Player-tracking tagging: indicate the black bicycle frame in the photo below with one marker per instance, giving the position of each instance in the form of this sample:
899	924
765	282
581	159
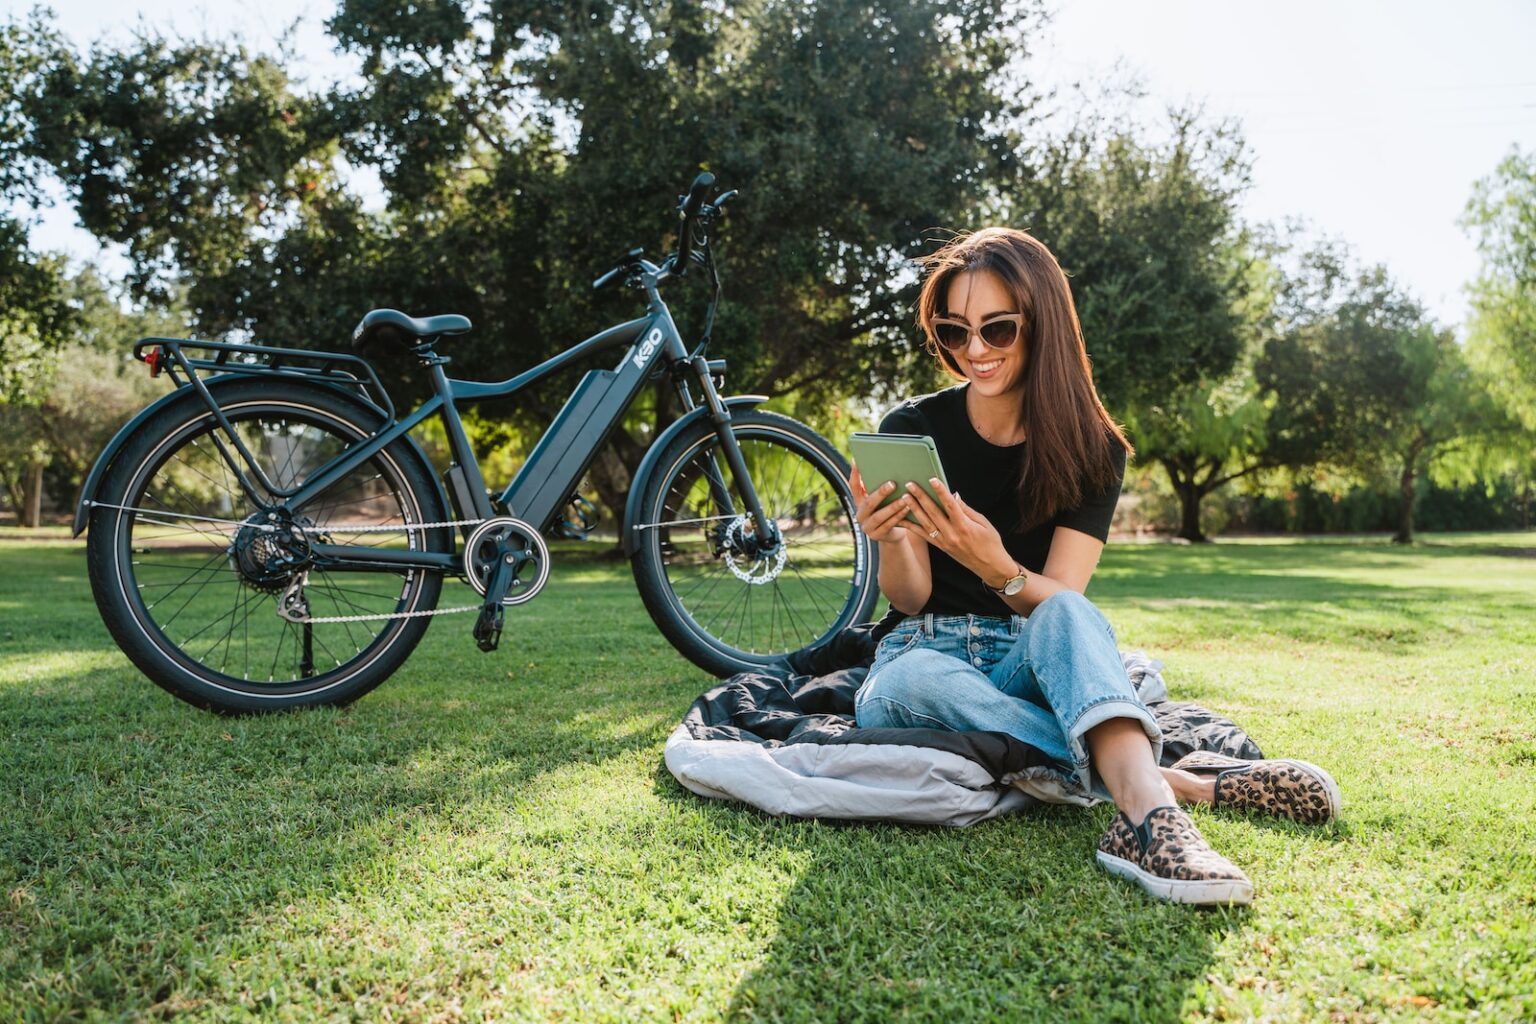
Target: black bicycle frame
552	471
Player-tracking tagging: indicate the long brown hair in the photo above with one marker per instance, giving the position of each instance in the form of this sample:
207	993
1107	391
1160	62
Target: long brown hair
1070	436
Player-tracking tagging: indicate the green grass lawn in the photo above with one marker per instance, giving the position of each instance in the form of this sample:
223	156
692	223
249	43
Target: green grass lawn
495	836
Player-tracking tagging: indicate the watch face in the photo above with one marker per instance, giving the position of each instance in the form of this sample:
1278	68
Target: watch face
1014	585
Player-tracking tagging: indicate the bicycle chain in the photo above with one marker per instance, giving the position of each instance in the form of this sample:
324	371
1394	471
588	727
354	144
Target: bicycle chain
269	528
382	616
387	615
335	528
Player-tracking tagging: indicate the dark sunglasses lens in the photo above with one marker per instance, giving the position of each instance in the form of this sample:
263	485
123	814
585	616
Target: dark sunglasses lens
1000	333
951	336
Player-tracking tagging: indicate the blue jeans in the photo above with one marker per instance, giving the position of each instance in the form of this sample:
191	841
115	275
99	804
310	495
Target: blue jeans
1045	680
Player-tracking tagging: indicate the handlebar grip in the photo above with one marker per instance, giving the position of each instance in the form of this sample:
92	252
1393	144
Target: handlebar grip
690	208
600	282
696	193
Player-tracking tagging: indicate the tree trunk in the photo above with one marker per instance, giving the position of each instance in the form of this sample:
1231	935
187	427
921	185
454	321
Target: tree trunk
611	478
1404	533
1189	513
29	513
1189	500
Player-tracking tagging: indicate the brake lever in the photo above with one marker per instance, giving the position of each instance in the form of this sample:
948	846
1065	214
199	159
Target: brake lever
624	266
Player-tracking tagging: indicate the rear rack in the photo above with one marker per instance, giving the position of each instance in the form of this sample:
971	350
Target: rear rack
172	355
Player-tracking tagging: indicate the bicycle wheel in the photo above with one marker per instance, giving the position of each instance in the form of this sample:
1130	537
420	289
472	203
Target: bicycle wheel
728	603
190	584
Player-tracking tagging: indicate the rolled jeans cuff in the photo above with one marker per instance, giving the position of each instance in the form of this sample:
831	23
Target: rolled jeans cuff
1101	711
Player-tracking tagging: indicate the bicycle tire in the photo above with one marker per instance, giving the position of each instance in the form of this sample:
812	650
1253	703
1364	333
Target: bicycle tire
125	548
680	563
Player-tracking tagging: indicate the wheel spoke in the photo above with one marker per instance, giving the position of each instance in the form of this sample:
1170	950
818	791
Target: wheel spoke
710	563
218	608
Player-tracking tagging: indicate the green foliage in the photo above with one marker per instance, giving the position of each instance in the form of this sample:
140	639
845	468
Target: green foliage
523	146
91	387
1367	384
1168	288
1502	336
35	316
1148	233
194	156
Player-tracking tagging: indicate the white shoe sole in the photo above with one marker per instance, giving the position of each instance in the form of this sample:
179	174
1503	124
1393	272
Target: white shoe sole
1214	892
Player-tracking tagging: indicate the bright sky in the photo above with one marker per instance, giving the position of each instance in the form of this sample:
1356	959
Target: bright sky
1368	119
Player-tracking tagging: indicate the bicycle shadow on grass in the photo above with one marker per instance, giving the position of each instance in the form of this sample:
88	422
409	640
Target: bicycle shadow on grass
1008	919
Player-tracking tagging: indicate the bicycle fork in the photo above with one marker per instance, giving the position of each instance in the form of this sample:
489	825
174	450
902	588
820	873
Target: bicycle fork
720	415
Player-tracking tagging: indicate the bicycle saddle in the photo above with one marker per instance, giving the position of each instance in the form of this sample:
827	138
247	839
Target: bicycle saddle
391	325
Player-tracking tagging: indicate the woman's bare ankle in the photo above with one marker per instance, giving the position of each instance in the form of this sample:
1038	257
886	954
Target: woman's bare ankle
1140	800
1189	787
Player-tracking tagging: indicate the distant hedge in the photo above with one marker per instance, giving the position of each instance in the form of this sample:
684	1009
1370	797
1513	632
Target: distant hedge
1363	510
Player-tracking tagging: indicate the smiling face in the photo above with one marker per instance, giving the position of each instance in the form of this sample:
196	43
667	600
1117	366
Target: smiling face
974	297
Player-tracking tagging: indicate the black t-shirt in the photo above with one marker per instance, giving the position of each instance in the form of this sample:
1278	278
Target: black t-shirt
987	477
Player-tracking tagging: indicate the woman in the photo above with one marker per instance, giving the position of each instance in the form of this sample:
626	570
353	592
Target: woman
997	634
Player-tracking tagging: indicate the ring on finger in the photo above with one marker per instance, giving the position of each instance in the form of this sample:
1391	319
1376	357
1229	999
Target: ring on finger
933	534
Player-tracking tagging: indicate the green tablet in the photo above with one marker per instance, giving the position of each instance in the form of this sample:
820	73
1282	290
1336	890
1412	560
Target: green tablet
903	458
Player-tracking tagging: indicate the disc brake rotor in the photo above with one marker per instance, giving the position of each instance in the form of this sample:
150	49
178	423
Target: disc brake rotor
742	559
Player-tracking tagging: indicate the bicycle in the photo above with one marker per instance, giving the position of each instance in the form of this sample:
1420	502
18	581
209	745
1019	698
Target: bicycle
269	534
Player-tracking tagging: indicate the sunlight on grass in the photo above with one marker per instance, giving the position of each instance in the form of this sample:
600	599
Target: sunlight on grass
496	836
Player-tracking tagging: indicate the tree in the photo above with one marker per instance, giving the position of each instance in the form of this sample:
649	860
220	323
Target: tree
1364	382
92	387
1167	288
1502	332
522	146
34	316
1149	236
1207	435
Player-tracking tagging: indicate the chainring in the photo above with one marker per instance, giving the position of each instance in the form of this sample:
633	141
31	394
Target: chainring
488	542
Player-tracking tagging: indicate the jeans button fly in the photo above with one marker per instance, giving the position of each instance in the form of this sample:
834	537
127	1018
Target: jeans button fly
975	631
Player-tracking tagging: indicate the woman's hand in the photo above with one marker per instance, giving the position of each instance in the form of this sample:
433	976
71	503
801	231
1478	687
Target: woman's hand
962	533
881	524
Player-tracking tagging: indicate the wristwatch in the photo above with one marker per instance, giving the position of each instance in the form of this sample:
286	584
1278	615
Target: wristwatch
1013	584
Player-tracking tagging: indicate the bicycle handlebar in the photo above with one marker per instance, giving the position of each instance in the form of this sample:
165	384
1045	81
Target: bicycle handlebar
689	207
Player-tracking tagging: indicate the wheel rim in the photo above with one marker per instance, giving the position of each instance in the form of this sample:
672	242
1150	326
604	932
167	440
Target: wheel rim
757	605
189	581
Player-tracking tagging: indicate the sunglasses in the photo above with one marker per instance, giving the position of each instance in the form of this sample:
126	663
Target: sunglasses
998	332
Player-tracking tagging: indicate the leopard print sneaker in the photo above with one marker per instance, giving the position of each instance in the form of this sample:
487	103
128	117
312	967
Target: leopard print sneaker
1285	788
1168	857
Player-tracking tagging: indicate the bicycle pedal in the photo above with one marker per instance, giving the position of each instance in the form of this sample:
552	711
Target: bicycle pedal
488	627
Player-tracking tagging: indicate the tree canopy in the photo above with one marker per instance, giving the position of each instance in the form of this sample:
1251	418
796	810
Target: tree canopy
521	147
35	316
1502	217
491	158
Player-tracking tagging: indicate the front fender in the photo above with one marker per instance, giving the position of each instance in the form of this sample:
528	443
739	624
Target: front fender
653	455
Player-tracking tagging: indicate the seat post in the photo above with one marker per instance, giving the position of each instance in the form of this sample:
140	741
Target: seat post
463	453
